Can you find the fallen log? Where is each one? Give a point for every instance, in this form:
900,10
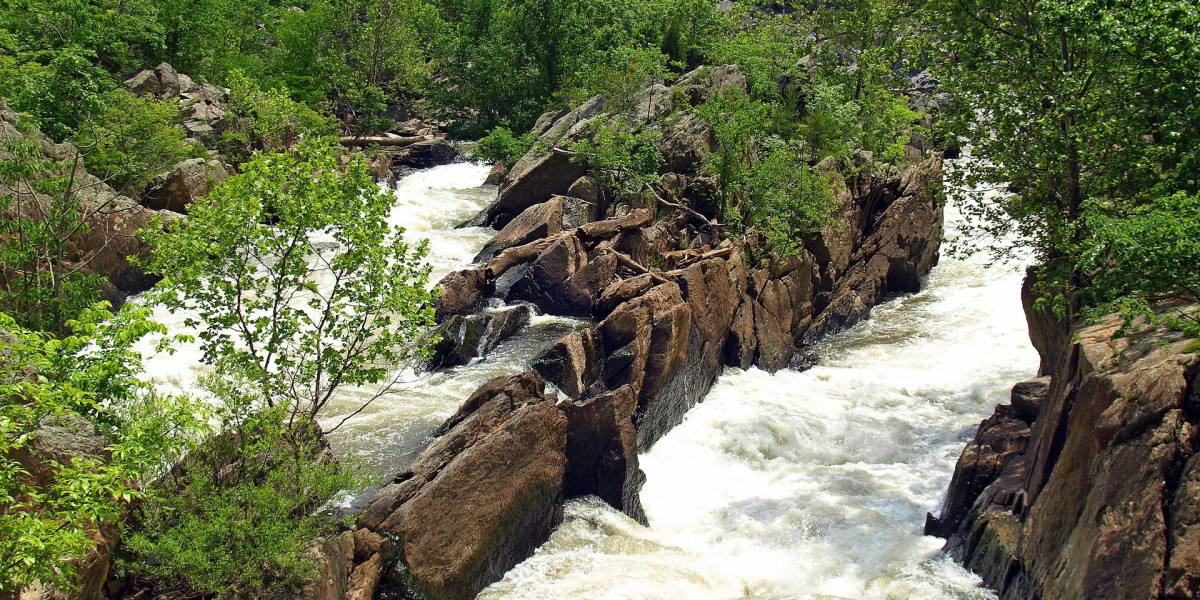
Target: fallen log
380,140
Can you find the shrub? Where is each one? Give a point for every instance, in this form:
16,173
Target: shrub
500,146
133,139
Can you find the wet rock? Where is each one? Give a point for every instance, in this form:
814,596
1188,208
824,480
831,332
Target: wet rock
464,338
1103,504
562,281
188,181
483,495
496,175
602,451
426,154
534,223
571,363
461,293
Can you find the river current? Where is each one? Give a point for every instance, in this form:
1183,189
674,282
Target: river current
792,485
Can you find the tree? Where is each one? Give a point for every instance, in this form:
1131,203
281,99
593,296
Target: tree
1069,104
298,283
87,379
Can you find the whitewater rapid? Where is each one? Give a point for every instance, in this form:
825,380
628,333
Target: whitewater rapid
808,485
811,485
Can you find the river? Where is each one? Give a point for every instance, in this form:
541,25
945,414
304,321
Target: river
809,485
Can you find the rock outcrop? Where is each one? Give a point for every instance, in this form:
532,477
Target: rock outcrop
203,106
113,219
1087,485
188,181
484,494
670,303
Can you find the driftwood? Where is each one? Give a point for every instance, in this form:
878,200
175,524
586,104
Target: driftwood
602,230
718,253
637,267
381,140
519,254
688,211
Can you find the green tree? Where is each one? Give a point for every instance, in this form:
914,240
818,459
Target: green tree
265,121
89,378
624,162
298,283
131,140
1069,104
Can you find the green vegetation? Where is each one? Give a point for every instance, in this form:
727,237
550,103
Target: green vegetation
90,375
503,147
298,283
1084,110
1087,112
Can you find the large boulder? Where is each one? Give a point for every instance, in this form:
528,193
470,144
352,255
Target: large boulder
483,495
188,181
544,177
534,223
464,338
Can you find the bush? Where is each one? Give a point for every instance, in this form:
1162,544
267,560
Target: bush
621,160
132,140
238,517
92,374
500,146
267,121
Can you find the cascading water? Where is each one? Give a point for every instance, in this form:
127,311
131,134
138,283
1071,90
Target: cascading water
429,205
792,485
811,485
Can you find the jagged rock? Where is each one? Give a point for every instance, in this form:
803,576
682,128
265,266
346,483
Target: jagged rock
464,338
534,223
113,220
364,581
461,293
496,175
577,212
547,176
483,495
188,181
602,451
1103,504
334,559
426,154
1049,334
163,81
686,144
562,281
622,291
585,188
571,363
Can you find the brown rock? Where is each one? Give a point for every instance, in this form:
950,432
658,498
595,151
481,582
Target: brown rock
461,293
334,559
189,180
496,175
550,175
572,363
585,188
534,223
602,451
620,292
364,582
484,495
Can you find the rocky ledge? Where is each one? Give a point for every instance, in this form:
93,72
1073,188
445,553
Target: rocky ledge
1088,484
671,304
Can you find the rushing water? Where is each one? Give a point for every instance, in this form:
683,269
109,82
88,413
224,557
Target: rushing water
811,485
808,485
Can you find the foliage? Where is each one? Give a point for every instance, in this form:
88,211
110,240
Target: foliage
298,282
42,209
1070,104
1144,256
59,95
133,139
501,146
244,531
621,160
267,121
92,373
